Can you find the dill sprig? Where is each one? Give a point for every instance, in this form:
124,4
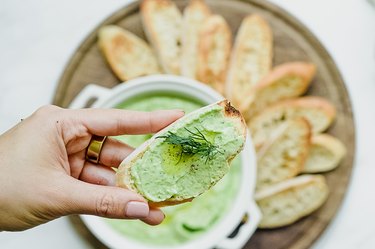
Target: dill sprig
195,143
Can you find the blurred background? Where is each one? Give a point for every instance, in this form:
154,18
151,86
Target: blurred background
39,36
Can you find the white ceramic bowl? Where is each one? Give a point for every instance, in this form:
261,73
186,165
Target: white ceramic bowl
243,201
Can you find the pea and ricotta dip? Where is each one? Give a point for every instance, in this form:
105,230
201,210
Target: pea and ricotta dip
186,221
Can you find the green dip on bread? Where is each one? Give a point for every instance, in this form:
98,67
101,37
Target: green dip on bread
189,220
186,158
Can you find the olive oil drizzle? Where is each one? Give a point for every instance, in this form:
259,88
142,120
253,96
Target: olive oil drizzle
195,143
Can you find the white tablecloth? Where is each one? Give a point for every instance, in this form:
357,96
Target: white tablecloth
37,37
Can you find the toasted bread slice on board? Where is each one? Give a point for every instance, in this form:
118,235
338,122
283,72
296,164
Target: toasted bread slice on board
325,154
286,202
318,111
128,55
214,48
162,24
251,58
288,80
194,16
284,155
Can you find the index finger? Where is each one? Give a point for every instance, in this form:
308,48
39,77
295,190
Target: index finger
113,122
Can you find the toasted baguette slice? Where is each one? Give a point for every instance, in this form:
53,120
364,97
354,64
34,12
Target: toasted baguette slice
284,155
162,23
127,54
285,81
319,112
215,44
325,154
251,59
159,172
194,15
286,202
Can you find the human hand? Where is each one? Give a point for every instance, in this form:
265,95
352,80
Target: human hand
44,174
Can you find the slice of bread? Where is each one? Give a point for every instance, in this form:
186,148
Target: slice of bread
158,169
251,58
286,202
325,154
128,55
194,15
284,155
214,48
285,81
319,112
162,24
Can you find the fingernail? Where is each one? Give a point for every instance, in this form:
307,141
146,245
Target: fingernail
136,209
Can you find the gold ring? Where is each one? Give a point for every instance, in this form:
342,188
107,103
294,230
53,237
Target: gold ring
94,148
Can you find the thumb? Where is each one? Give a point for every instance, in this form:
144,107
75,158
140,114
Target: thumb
107,201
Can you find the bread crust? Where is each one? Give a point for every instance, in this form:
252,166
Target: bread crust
305,70
286,185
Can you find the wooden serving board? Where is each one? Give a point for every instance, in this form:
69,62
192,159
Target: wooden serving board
292,41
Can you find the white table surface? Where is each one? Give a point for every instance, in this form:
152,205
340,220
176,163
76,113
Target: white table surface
37,37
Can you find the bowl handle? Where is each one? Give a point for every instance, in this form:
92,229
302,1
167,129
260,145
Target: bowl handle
253,218
89,92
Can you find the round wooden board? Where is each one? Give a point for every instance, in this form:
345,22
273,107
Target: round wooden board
292,41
